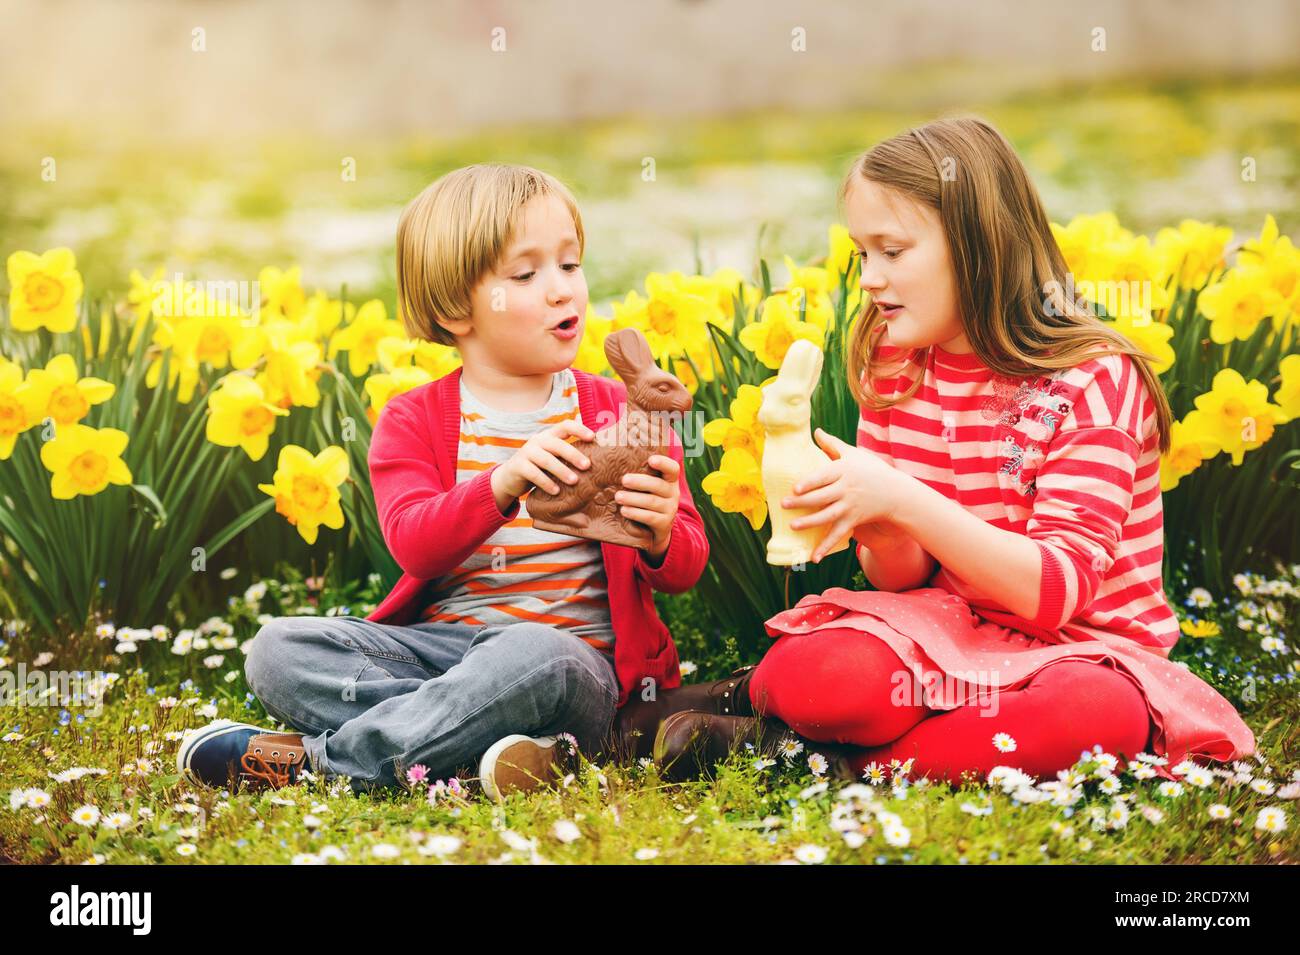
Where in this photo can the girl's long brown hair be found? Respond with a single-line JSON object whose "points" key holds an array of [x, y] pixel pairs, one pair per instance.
{"points": [[1015, 296]]}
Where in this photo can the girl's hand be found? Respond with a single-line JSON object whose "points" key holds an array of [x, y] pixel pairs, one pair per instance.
{"points": [[543, 458], [857, 489], [653, 501]]}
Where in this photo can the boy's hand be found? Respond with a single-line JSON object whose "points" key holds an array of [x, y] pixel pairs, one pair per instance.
{"points": [[544, 457], [653, 501]]}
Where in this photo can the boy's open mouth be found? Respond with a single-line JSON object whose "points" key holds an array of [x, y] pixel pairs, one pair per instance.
{"points": [[568, 324]]}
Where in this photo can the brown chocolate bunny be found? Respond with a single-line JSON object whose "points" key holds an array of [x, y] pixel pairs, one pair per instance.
{"points": [[587, 508]]}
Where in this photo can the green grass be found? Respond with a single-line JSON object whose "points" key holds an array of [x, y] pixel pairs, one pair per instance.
{"points": [[620, 813]]}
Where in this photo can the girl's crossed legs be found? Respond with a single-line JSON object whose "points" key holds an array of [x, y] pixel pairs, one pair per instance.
{"points": [[846, 686]]}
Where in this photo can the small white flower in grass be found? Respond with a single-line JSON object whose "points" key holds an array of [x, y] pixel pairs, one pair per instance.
{"points": [[1219, 811], [116, 820], [125, 646], [440, 846], [332, 853], [1110, 785], [874, 773], [816, 789], [790, 747], [645, 855], [186, 849], [1198, 776], [810, 854], [36, 798], [855, 791], [310, 821], [86, 815], [854, 839], [817, 763], [763, 763], [1289, 791], [687, 667], [887, 818], [306, 858], [898, 835], [1262, 786], [385, 850], [1152, 759], [1153, 814], [167, 702], [517, 842], [1117, 816], [984, 809], [13, 737], [1271, 819], [1170, 790], [1144, 772], [1004, 743], [214, 661], [566, 830], [206, 711], [231, 677]]}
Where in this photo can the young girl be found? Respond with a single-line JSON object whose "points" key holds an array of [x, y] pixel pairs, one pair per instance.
{"points": [[1005, 500]]}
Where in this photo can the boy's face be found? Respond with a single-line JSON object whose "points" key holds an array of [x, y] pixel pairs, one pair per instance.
{"points": [[528, 312], [905, 263]]}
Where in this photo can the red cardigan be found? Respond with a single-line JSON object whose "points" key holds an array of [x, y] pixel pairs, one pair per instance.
{"points": [[431, 523]]}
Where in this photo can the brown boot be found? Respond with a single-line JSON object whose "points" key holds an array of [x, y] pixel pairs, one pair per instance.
{"points": [[690, 744], [637, 722], [272, 760]]}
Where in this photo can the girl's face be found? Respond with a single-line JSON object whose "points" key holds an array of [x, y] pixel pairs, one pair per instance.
{"points": [[527, 313], [906, 267]]}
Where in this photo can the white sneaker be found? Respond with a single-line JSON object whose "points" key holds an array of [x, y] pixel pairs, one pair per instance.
{"points": [[517, 763]]}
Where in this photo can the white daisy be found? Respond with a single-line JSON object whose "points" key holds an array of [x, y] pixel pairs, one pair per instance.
{"points": [[1262, 786], [1219, 811], [384, 850], [817, 763], [116, 820], [1170, 790], [645, 855], [854, 839], [790, 747], [1004, 742], [1271, 819], [186, 849], [898, 835], [810, 854], [566, 830], [439, 846], [86, 815]]}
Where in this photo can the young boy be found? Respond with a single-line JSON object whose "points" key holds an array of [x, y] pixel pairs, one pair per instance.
{"points": [[498, 637]]}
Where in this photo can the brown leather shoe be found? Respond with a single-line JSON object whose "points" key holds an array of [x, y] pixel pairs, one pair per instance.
{"points": [[273, 759], [688, 745], [637, 722]]}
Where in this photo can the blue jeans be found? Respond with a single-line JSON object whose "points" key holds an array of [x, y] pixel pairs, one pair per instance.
{"points": [[372, 700]]}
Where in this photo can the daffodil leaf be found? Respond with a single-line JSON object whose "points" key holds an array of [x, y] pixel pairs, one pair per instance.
{"points": [[160, 512]]}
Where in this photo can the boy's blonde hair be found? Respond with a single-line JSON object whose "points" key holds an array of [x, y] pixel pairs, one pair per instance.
{"points": [[454, 232]]}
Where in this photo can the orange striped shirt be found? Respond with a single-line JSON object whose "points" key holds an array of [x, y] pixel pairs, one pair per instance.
{"points": [[521, 573]]}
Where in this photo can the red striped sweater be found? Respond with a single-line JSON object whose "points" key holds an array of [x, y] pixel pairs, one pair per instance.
{"points": [[1069, 458]]}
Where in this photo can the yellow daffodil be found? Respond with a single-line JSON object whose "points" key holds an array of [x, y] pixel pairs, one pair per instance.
{"points": [[672, 316], [240, 416], [1288, 392], [1151, 336], [306, 488], [771, 338], [591, 350], [360, 338], [1192, 252], [56, 391], [382, 387], [737, 487], [14, 416], [140, 299], [44, 290], [323, 315], [84, 460], [436, 359], [742, 429], [282, 294], [1236, 414], [1188, 447], [1199, 628], [1237, 303], [290, 362], [839, 258]]}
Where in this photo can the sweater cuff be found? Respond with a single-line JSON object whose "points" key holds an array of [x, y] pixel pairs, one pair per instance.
{"points": [[661, 578], [488, 501], [1051, 590]]}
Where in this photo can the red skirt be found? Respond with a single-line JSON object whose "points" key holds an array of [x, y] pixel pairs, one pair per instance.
{"points": [[933, 629]]}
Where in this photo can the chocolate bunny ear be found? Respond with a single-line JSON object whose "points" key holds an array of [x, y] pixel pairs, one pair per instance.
{"points": [[628, 353]]}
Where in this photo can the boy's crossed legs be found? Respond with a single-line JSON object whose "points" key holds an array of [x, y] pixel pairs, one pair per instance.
{"points": [[373, 699]]}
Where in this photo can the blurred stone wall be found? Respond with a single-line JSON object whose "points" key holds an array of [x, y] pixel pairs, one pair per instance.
{"points": [[397, 66]]}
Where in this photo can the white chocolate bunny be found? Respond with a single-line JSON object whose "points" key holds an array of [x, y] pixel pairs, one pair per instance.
{"points": [[789, 453]]}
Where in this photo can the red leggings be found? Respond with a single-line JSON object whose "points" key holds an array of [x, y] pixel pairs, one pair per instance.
{"points": [[846, 686]]}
